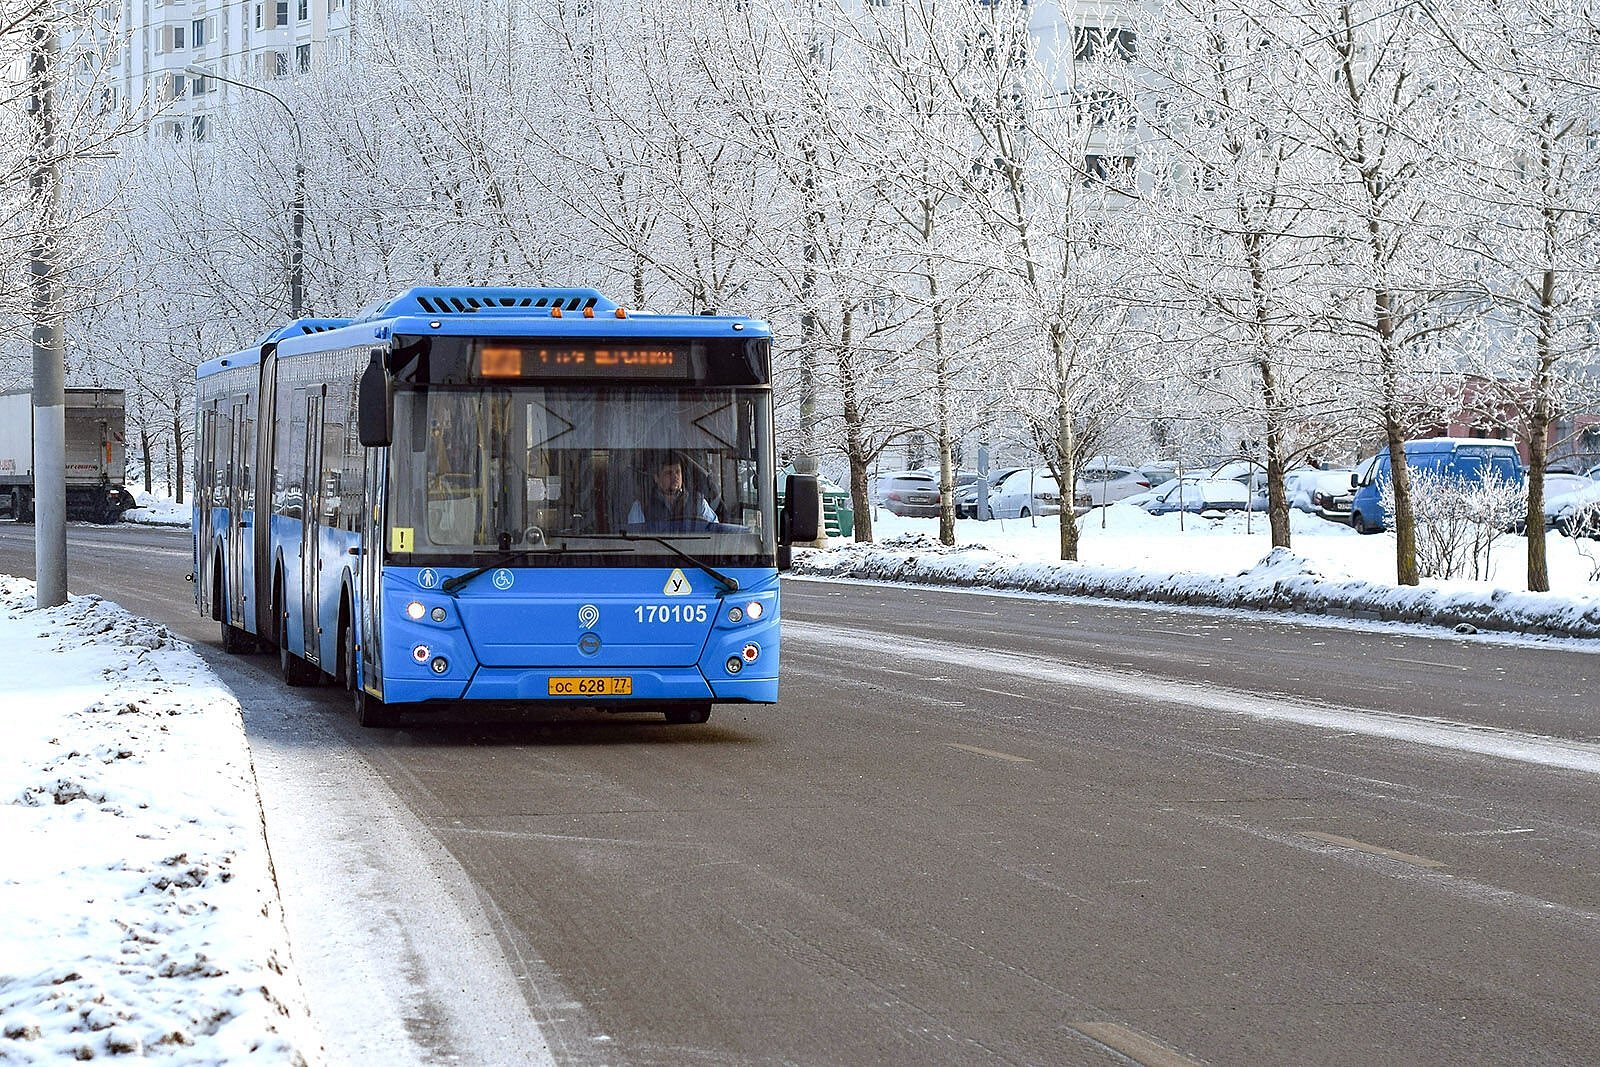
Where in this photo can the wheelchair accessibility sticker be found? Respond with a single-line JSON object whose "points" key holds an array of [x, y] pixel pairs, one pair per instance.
{"points": [[503, 579]]}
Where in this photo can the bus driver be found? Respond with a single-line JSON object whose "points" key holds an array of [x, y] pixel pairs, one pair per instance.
{"points": [[666, 504]]}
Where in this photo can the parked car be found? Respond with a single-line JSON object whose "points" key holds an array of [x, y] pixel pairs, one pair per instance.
{"points": [[912, 493], [1141, 499], [1558, 487], [1465, 458], [967, 495], [1200, 494], [1025, 493], [1322, 492], [1109, 483], [1576, 513], [1593, 473], [1156, 473], [916, 492]]}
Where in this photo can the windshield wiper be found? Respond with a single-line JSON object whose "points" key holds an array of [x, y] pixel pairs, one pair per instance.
{"points": [[450, 585], [730, 583]]}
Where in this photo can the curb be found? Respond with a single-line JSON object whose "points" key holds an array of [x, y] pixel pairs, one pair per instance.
{"points": [[1282, 582]]}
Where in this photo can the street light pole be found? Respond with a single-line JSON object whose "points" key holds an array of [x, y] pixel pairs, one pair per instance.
{"points": [[49, 360], [297, 280]]}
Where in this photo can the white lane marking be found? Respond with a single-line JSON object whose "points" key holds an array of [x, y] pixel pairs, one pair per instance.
{"points": [[1140, 1048], [991, 753], [1434, 732], [1410, 662], [1375, 850]]}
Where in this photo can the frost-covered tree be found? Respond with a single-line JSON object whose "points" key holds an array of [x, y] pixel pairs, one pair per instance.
{"points": [[1532, 190], [1237, 257]]}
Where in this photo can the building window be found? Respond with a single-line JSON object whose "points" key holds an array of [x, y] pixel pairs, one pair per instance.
{"points": [[258, 16], [200, 127], [1104, 42], [335, 5], [199, 87], [1107, 170], [283, 13], [304, 10], [197, 33], [280, 64], [302, 58]]}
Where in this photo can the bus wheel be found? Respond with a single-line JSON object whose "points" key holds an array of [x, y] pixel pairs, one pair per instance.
{"points": [[688, 714], [370, 711], [236, 641], [295, 670]]}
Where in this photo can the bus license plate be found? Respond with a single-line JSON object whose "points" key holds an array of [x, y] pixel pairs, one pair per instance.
{"points": [[592, 687]]}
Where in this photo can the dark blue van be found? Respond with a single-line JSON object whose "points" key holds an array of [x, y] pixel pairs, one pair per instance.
{"points": [[1467, 459]]}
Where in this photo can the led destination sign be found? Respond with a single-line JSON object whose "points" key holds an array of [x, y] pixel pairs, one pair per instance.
{"points": [[583, 359]]}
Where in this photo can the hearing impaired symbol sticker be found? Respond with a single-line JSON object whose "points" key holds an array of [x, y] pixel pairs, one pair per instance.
{"points": [[677, 584]]}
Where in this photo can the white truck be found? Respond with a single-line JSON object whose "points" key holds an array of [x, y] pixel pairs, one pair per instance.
{"points": [[96, 455]]}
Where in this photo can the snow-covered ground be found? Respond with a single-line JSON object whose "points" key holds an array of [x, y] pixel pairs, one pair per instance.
{"points": [[1126, 536], [158, 511], [138, 913], [1227, 562]]}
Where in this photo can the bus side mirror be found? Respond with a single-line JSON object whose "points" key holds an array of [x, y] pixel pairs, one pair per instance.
{"points": [[372, 405], [1355, 481], [801, 520]]}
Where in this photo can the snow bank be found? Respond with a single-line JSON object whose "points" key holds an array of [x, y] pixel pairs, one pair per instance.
{"points": [[140, 913], [158, 511], [1282, 581]]}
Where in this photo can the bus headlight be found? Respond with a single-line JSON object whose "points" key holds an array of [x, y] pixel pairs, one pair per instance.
{"points": [[421, 653], [735, 615], [754, 609], [440, 665], [415, 611], [734, 665], [437, 615]]}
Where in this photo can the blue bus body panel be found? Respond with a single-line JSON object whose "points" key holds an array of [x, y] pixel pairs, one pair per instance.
{"points": [[509, 631]]}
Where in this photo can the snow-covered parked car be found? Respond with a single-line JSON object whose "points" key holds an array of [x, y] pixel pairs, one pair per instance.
{"points": [[1209, 494], [1576, 514]]}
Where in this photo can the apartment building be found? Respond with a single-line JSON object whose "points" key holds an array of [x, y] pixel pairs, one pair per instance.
{"points": [[156, 42]]}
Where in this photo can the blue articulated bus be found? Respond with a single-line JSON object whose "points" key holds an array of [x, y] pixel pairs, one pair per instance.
{"points": [[500, 495]]}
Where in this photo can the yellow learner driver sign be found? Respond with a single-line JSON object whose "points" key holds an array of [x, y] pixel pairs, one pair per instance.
{"points": [[592, 687]]}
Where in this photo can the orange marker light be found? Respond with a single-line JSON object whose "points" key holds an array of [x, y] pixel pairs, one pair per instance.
{"points": [[622, 313], [555, 312], [588, 313]]}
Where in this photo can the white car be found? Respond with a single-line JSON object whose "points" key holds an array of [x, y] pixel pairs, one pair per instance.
{"points": [[1109, 483], [1575, 514], [1026, 493]]}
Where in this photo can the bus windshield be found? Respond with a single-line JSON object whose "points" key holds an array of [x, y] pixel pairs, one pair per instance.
{"points": [[558, 473]]}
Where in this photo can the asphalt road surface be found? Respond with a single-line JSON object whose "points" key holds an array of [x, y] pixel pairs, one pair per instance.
{"points": [[989, 829]]}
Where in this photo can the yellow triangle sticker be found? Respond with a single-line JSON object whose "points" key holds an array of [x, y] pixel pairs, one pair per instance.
{"points": [[677, 583]]}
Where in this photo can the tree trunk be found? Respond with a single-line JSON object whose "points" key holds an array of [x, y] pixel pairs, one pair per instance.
{"points": [[148, 460], [1539, 435], [176, 481], [855, 441]]}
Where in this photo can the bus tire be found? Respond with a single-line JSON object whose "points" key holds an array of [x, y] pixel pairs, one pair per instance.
{"points": [[236, 641], [689, 714], [295, 671], [370, 711]]}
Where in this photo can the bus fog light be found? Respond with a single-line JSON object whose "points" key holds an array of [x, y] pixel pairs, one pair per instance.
{"points": [[415, 610], [754, 609], [734, 664], [751, 652], [438, 615], [440, 665], [735, 615], [420, 653]]}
